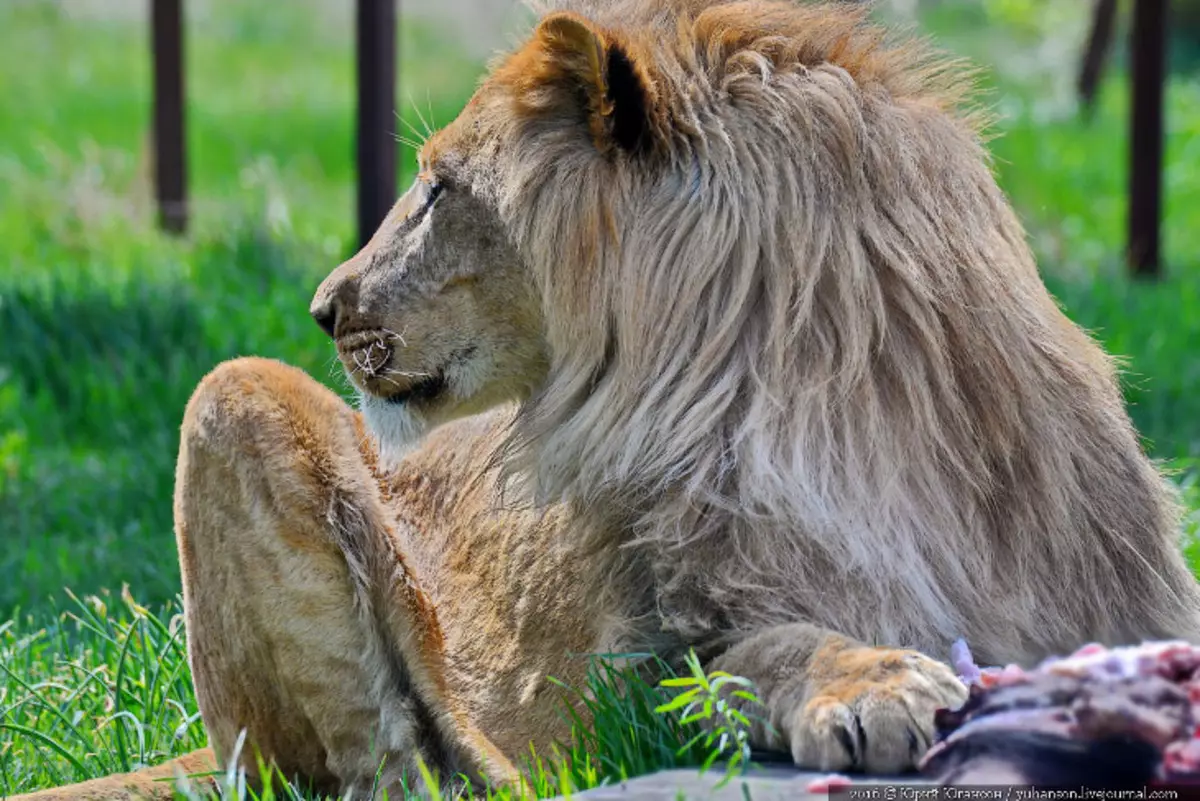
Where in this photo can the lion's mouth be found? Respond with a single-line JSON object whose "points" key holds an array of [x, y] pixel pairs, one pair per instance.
{"points": [[369, 359], [366, 354], [423, 389]]}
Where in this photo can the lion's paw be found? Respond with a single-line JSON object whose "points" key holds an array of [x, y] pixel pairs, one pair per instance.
{"points": [[870, 709]]}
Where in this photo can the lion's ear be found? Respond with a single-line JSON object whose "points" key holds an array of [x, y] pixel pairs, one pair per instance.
{"points": [[615, 90]]}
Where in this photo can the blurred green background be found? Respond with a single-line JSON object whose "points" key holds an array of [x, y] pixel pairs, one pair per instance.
{"points": [[107, 325]]}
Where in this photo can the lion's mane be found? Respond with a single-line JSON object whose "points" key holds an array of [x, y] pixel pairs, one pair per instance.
{"points": [[805, 328]]}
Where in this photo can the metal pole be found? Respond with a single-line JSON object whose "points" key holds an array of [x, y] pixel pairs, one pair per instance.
{"points": [[170, 155], [1146, 135], [376, 113], [1104, 18]]}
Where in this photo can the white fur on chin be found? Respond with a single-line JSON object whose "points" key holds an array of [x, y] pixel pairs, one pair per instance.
{"points": [[396, 427]]}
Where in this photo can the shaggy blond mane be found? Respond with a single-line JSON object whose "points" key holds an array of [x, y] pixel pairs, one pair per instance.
{"points": [[804, 322]]}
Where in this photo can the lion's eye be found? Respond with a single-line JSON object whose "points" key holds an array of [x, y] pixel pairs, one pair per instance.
{"points": [[433, 193], [420, 203]]}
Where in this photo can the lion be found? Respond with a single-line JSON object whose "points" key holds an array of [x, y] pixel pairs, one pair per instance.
{"points": [[703, 327]]}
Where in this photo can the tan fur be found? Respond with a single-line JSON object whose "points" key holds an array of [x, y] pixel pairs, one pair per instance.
{"points": [[158, 782], [760, 364]]}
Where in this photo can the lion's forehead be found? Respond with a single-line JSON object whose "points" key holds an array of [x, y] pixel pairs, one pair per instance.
{"points": [[459, 149]]}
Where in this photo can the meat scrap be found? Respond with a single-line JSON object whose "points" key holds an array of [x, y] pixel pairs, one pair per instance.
{"points": [[1123, 717], [829, 784]]}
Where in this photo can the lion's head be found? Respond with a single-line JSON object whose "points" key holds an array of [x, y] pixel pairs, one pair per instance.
{"points": [[437, 317], [670, 216]]}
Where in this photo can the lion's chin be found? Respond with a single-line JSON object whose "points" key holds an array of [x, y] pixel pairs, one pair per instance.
{"points": [[397, 428]]}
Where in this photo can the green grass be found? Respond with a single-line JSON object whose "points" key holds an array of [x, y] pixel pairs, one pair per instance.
{"points": [[106, 325], [1069, 178], [97, 690], [103, 687]]}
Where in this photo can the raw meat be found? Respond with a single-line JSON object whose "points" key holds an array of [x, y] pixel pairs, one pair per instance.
{"points": [[1101, 717]]}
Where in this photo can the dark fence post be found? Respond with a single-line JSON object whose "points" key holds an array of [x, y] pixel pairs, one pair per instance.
{"points": [[170, 154], [1104, 17], [1148, 81], [376, 113]]}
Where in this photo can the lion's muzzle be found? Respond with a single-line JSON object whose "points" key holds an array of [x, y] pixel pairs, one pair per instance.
{"points": [[370, 360], [366, 355]]}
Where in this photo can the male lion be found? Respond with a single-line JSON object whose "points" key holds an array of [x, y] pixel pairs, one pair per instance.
{"points": [[786, 389]]}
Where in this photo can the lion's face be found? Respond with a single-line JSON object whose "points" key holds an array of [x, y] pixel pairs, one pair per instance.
{"points": [[436, 317], [444, 313]]}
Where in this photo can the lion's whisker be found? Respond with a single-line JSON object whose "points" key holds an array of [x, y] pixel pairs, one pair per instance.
{"points": [[411, 143], [410, 374], [417, 110], [420, 136], [429, 105], [394, 335], [366, 368]]}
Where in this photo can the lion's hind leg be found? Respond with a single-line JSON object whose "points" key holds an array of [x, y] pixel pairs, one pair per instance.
{"points": [[285, 553]]}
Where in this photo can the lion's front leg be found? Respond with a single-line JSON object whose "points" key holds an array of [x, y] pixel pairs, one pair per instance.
{"points": [[837, 704]]}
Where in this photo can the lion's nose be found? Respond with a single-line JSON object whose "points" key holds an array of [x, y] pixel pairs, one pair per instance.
{"points": [[335, 300], [325, 313]]}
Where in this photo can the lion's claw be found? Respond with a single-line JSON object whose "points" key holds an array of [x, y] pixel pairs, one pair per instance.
{"points": [[871, 709]]}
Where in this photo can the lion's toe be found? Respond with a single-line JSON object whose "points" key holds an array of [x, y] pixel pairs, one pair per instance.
{"points": [[825, 735], [878, 717]]}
